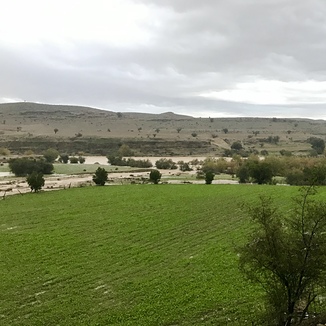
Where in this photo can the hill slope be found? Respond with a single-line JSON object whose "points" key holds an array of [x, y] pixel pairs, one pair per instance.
{"points": [[37, 126]]}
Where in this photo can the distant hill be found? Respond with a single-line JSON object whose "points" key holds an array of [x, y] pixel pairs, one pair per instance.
{"points": [[36, 126]]}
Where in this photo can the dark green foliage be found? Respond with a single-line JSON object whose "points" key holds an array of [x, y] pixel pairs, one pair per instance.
{"points": [[237, 146], [119, 161], [81, 159], [73, 159], [155, 176], [194, 134], [225, 130], [309, 175], [287, 257], [64, 158], [51, 155], [100, 176], [262, 173], [24, 166], [209, 177], [166, 164], [258, 171], [35, 181], [317, 144]]}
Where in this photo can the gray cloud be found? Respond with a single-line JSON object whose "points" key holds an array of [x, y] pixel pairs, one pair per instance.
{"points": [[194, 48]]}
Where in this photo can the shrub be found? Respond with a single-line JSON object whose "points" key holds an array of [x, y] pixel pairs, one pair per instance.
{"points": [[73, 160], [165, 164], [209, 177], [4, 151], [155, 176], [100, 176], [81, 159], [35, 181], [64, 158], [24, 166], [50, 155]]}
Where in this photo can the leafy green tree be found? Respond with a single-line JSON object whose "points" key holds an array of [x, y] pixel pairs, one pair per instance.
{"points": [[262, 173], [50, 155], [100, 176], [209, 177], [81, 159], [225, 130], [155, 176], [24, 166], [286, 256], [35, 181], [317, 144]]}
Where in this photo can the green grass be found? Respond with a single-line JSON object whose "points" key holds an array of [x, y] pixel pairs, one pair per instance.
{"points": [[128, 255]]}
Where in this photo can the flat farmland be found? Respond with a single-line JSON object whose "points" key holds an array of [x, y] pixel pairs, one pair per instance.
{"points": [[129, 255]]}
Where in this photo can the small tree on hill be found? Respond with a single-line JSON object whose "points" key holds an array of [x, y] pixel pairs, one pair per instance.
{"points": [[100, 176], [286, 255], [155, 176], [35, 181]]}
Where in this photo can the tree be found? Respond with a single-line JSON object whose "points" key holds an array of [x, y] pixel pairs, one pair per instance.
{"points": [[209, 177], [55, 130], [179, 129], [225, 130], [262, 173], [50, 155], [81, 159], [237, 146], [286, 255], [64, 158], [317, 144], [100, 176], [155, 176], [24, 166], [124, 150], [35, 181]]}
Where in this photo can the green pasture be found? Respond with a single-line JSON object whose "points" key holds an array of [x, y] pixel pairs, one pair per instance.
{"points": [[128, 255]]}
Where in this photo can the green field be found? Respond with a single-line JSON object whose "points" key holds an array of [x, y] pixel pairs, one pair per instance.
{"points": [[128, 255]]}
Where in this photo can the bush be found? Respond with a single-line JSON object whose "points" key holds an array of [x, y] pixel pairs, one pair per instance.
{"points": [[51, 155], [165, 164], [155, 176], [4, 151], [100, 176], [73, 160], [64, 158], [209, 177], [35, 181], [81, 159], [24, 166]]}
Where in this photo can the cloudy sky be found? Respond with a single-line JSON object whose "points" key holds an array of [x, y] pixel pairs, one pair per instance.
{"points": [[202, 58]]}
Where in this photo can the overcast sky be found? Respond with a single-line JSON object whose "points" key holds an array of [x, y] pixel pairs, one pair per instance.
{"points": [[202, 58]]}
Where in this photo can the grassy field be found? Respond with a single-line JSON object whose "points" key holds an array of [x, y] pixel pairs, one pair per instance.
{"points": [[128, 255]]}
